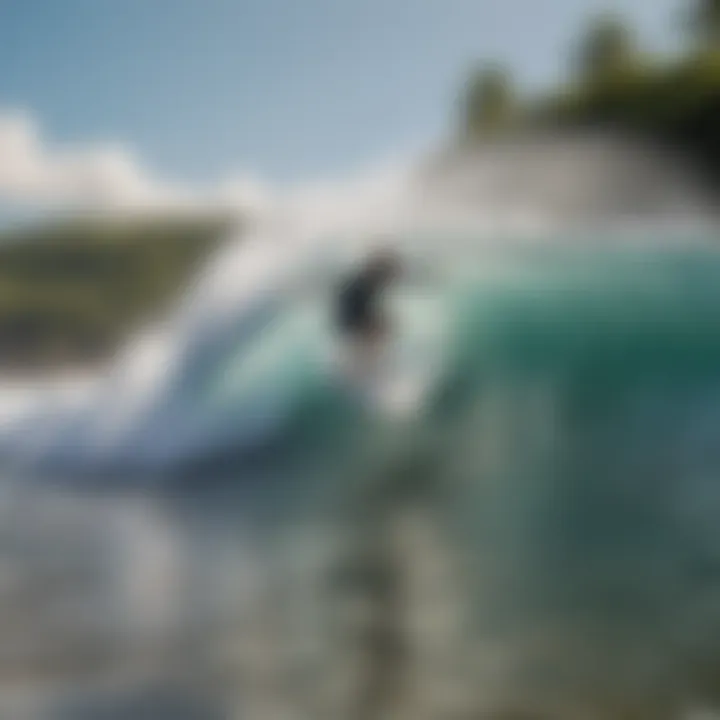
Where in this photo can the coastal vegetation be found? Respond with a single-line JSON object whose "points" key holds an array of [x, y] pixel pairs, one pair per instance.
{"points": [[71, 291], [613, 83]]}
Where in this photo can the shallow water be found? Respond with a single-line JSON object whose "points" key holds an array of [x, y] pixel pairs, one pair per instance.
{"points": [[542, 538]]}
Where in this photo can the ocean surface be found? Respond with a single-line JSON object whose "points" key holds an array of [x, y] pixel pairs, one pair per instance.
{"points": [[226, 529]]}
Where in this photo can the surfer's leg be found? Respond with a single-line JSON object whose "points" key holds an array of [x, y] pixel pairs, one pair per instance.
{"points": [[364, 345], [358, 358], [378, 343], [374, 344]]}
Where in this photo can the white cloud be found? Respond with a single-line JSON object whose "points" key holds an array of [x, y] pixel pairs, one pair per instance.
{"points": [[110, 178], [105, 176]]}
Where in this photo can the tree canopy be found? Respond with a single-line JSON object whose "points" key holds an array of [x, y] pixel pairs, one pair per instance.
{"points": [[489, 101], [704, 22], [607, 49]]}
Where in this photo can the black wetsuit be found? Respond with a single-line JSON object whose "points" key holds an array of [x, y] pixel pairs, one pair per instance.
{"points": [[357, 304]]}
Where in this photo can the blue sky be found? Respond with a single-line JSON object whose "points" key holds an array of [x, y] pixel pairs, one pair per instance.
{"points": [[285, 89]]}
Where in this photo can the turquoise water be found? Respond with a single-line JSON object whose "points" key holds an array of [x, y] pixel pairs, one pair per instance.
{"points": [[567, 454], [570, 451], [585, 469]]}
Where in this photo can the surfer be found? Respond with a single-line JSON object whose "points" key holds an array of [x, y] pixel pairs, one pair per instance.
{"points": [[361, 322]]}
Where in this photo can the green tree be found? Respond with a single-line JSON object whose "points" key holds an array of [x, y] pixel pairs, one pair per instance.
{"points": [[705, 22], [489, 101], [608, 49]]}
